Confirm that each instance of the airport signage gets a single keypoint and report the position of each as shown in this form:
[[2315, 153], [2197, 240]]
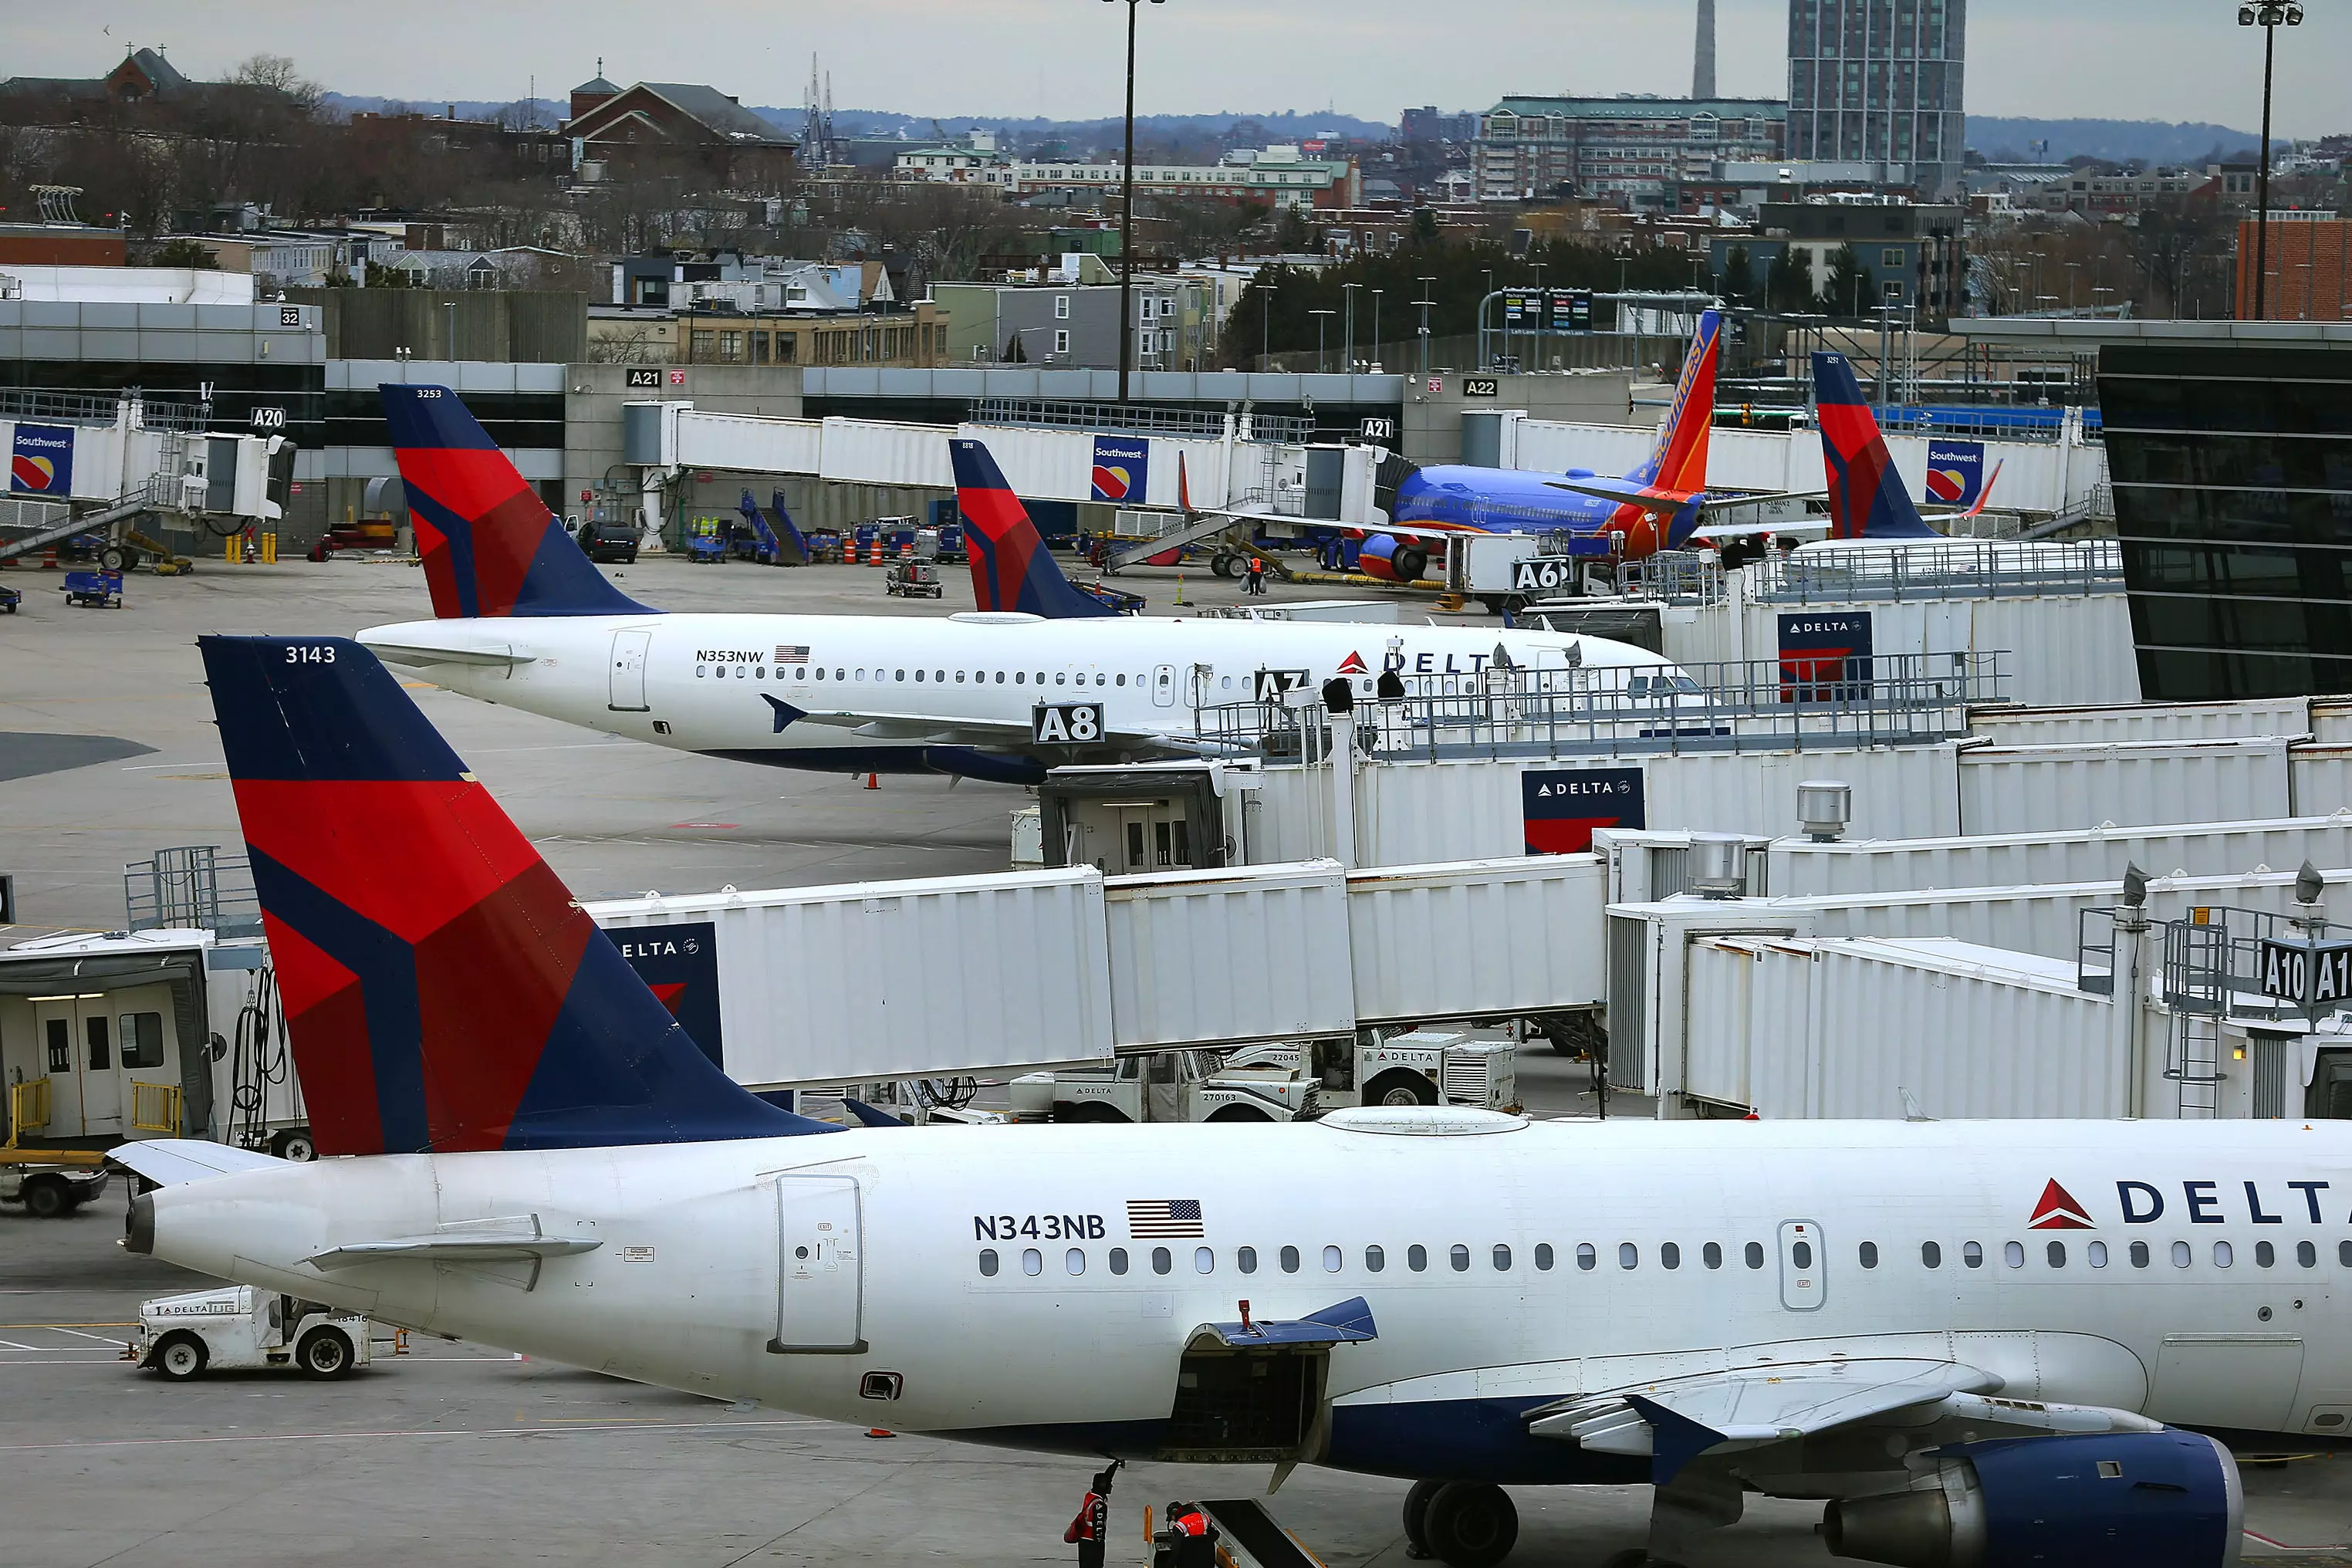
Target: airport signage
[[1123, 468], [1273, 685], [1542, 575], [42, 461], [1377, 428], [1481, 386], [267, 419], [1955, 472], [644, 379], [1560, 808], [1824, 657], [2304, 974], [1066, 723], [679, 964]]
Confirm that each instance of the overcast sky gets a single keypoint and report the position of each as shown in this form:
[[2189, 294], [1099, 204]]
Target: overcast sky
[[2132, 59]]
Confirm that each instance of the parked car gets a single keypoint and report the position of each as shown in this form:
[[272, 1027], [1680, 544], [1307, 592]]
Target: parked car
[[51, 1192], [609, 539]]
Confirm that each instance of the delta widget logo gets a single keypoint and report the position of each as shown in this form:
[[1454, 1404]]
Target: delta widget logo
[[1353, 664], [2059, 1210]]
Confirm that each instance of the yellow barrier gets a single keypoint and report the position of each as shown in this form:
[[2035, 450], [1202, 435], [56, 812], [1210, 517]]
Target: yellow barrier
[[269, 548], [155, 1107], [29, 1107]]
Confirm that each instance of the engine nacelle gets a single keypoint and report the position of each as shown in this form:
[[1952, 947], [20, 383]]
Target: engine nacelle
[[2126, 1499], [1386, 556]]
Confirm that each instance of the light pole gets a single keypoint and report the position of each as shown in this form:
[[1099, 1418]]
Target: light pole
[[1265, 319], [1425, 302], [1127, 213], [1376, 325], [1348, 332], [1320, 315], [2270, 19]]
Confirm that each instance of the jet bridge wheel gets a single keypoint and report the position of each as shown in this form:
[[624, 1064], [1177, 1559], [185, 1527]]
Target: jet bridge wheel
[[1471, 1524]]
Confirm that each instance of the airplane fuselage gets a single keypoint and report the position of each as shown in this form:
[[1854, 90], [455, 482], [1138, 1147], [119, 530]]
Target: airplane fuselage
[[743, 686], [1039, 1288]]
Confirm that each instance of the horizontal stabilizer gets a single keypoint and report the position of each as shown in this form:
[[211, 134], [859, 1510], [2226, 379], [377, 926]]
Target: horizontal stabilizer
[[412, 656], [511, 1241], [168, 1161]]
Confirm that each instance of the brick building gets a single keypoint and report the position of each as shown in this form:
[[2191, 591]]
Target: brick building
[[2307, 281]]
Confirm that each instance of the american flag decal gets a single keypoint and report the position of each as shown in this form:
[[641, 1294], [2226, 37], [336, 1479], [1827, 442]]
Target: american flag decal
[[1155, 1219], [791, 653]]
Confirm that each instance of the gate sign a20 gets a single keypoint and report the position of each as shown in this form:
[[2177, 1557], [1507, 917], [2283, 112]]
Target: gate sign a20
[[1068, 723]]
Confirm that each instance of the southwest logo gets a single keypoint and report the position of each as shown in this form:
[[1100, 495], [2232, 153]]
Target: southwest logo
[[1947, 484], [33, 473], [1353, 665], [1111, 483], [2058, 1211]]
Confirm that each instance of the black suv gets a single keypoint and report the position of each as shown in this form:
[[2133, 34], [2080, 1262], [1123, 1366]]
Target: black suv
[[609, 540]]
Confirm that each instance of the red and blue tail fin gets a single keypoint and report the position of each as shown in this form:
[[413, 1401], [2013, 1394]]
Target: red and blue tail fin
[[442, 991], [1678, 462], [491, 546], [1867, 500], [1011, 568]]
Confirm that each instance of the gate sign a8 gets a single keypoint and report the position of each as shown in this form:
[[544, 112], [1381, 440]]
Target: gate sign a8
[[1066, 723]]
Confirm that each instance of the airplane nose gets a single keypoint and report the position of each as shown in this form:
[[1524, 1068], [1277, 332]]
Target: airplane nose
[[139, 1227]]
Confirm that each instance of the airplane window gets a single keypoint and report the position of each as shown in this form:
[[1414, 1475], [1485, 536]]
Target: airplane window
[[861, 675], [1074, 1261], [988, 1262], [1118, 1261], [1459, 1257], [759, 673], [1711, 1255], [1972, 1255], [918, 675], [2096, 1254], [1101, 679], [2222, 1255], [1869, 1250], [1000, 677], [820, 672], [2265, 1255], [1801, 1255], [2306, 1254], [699, 672], [938, 674], [958, 678], [1502, 1258], [1754, 1254], [2180, 1254], [739, 673], [1543, 1257], [1669, 1256], [1203, 1260], [2139, 1253], [2344, 1253], [902, 675], [2057, 1252], [1416, 1257], [1585, 1257], [840, 674], [1041, 678], [1330, 1260], [1375, 1259], [1020, 678], [1229, 683], [1161, 1261], [1031, 1263], [801, 673], [1290, 1260], [2013, 1254], [1245, 1259], [1122, 680], [1627, 1255], [1061, 679]]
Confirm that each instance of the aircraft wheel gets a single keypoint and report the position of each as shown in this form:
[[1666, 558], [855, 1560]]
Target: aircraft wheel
[[1397, 1086], [1416, 1518], [323, 1353], [180, 1357], [1471, 1524]]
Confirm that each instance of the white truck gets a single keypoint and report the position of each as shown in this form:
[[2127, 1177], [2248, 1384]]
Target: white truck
[[1421, 1067], [1167, 1086], [51, 1192], [236, 1327]]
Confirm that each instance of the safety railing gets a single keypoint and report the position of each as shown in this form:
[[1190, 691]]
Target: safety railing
[[1796, 702], [191, 886], [155, 1107], [1053, 414], [1954, 569], [88, 408], [29, 1107], [2225, 962]]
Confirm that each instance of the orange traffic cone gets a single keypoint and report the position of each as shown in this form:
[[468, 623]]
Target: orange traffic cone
[[879, 1432], [873, 781], [906, 549], [49, 559]]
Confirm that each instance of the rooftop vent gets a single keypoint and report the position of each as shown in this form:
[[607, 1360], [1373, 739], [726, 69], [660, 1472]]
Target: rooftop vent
[[1719, 865], [1824, 806]]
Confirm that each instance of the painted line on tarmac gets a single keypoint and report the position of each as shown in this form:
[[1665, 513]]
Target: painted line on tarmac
[[406, 1432]]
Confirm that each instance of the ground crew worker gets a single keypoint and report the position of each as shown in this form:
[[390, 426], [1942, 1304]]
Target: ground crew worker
[[1196, 1537], [1092, 1526], [1255, 584]]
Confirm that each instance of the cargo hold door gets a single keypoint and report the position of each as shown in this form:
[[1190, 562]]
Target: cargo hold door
[[820, 1295]]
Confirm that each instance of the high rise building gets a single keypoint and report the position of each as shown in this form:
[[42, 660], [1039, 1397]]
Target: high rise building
[[1703, 53], [1879, 81]]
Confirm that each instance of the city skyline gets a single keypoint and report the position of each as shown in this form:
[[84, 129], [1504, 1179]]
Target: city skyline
[[2162, 59]]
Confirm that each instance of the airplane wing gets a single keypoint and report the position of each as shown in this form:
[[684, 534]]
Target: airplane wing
[[1670, 499], [961, 732], [1812, 527], [1675, 1420]]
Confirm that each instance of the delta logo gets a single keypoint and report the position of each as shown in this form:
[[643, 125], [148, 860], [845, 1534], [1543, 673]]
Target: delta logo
[[2059, 1210], [1353, 664]]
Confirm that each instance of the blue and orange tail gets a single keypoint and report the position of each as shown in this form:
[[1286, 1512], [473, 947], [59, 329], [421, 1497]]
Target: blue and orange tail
[[1678, 462], [1011, 568], [1867, 500], [489, 544], [442, 991]]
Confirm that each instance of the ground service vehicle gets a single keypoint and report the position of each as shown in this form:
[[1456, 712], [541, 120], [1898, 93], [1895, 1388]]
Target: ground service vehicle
[[1167, 1086], [1424, 1067], [239, 1327], [50, 1191]]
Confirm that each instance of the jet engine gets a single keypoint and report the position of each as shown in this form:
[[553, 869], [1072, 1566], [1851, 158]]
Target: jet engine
[[1397, 559], [2127, 1500]]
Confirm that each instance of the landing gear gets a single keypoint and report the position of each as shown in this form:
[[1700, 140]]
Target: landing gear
[[1416, 1518], [1470, 1524]]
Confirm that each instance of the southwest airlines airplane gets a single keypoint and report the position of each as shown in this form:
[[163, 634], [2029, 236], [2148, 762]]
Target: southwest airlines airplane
[[523, 619], [1977, 1344]]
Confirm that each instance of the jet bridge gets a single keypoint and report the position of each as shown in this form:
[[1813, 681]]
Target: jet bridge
[[105, 466]]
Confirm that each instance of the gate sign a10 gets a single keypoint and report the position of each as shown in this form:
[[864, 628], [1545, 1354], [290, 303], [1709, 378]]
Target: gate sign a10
[[1562, 806], [2311, 976]]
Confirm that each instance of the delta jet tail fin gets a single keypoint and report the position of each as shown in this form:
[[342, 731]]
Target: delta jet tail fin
[[1011, 567], [1678, 462], [491, 546], [442, 991], [1867, 500]]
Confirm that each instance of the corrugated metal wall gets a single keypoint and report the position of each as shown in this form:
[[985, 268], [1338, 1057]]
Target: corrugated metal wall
[[1215, 956], [2030, 789], [2100, 725], [1802, 868], [1446, 939]]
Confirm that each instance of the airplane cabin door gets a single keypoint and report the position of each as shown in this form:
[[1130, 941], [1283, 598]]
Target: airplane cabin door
[[820, 1295], [1163, 685], [58, 1028], [1803, 1266], [628, 691]]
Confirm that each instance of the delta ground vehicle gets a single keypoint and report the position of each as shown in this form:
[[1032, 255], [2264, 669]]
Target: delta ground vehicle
[[1420, 1066], [51, 1192], [1167, 1086], [914, 578], [241, 1327]]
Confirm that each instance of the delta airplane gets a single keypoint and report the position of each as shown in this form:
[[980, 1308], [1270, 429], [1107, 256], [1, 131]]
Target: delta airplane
[[1976, 1343], [523, 619], [1867, 500]]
